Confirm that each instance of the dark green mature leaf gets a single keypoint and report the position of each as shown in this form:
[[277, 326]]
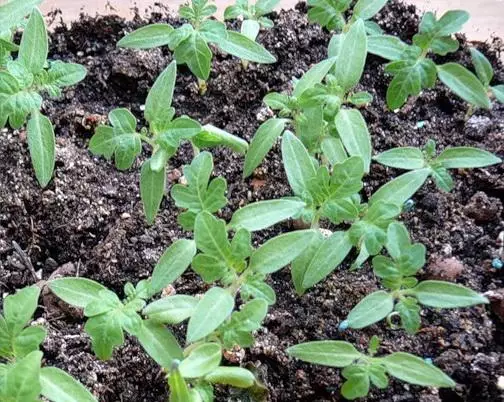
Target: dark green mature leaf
[[483, 67], [159, 343], [408, 158], [152, 188], [446, 295], [21, 381], [245, 48], [415, 370], [466, 157], [313, 76], [326, 353], [354, 48], [147, 37], [211, 136], [161, 94], [234, 376], [371, 309], [59, 386], [34, 43], [263, 141], [279, 251], [171, 310], [263, 214], [298, 163], [354, 134], [195, 52], [78, 292], [464, 84], [41, 143], [401, 188], [387, 46], [367, 9], [172, 264], [212, 310]]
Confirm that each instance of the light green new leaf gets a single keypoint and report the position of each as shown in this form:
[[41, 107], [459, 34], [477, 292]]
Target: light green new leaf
[[263, 214], [313, 76], [367, 9], [402, 188], [41, 143], [202, 360], [106, 333], [298, 163], [442, 178], [353, 48], [482, 65], [415, 370], [263, 141], [159, 343], [78, 292], [408, 158], [211, 136], [356, 386], [211, 236], [195, 52], [212, 310], [466, 157], [147, 37], [464, 84], [172, 264], [58, 386], [13, 12], [161, 94], [21, 381], [276, 253], [34, 46], [234, 376], [171, 310], [245, 48], [354, 134], [28, 340], [19, 308], [152, 187], [325, 353], [446, 295], [387, 46], [373, 308]]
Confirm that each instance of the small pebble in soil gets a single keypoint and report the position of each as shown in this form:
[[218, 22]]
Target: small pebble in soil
[[408, 205], [497, 263], [447, 269], [343, 325], [428, 360]]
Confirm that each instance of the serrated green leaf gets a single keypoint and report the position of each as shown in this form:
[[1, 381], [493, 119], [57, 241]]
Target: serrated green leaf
[[446, 295], [451, 22], [19, 308], [466, 157], [159, 343], [354, 134], [195, 52], [211, 236], [41, 143], [213, 31], [34, 43], [147, 37], [21, 381], [325, 353], [373, 308], [58, 386], [78, 292]]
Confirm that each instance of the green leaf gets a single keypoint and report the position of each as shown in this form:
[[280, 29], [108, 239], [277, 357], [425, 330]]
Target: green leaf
[[243, 47], [298, 163], [195, 52], [357, 383], [313, 76], [161, 94], [408, 158], [362, 98], [387, 46], [402, 188], [159, 343], [445, 45], [325, 353], [234, 376], [152, 188], [172, 309], [367, 9], [466, 157], [106, 333], [446, 295], [13, 12], [354, 134], [179, 392], [21, 381], [264, 7], [211, 311], [464, 84], [263, 141], [331, 252], [354, 48], [442, 178], [250, 28], [263, 214], [276, 253], [406, 82], [211, 136], [255, 287], [147, 37], [172, 264], [19, 308], [211, 236], [498, 92], [213, 31], [415, 370], [451, 22], [202, 360], [28, 340], [41, 143], [78, 292], [333, 150], [276, 101], [373, 308], [398, 240], [34, 46], [409, 311], [58, 76], [58, 386], [238, 330]]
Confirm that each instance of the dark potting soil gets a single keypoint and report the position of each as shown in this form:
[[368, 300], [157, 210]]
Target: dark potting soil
[[89, 220]]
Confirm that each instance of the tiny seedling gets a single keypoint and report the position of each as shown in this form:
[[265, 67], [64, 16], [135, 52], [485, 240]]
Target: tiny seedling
[[405, 293], [411, 158], [363, 370], [190, 42], [164, 136], [23, 80], [331, 14], [22, 378], [413, 70], [485, 73]]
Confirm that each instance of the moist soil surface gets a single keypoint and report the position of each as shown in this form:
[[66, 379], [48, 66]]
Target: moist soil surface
[[89, 220]]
